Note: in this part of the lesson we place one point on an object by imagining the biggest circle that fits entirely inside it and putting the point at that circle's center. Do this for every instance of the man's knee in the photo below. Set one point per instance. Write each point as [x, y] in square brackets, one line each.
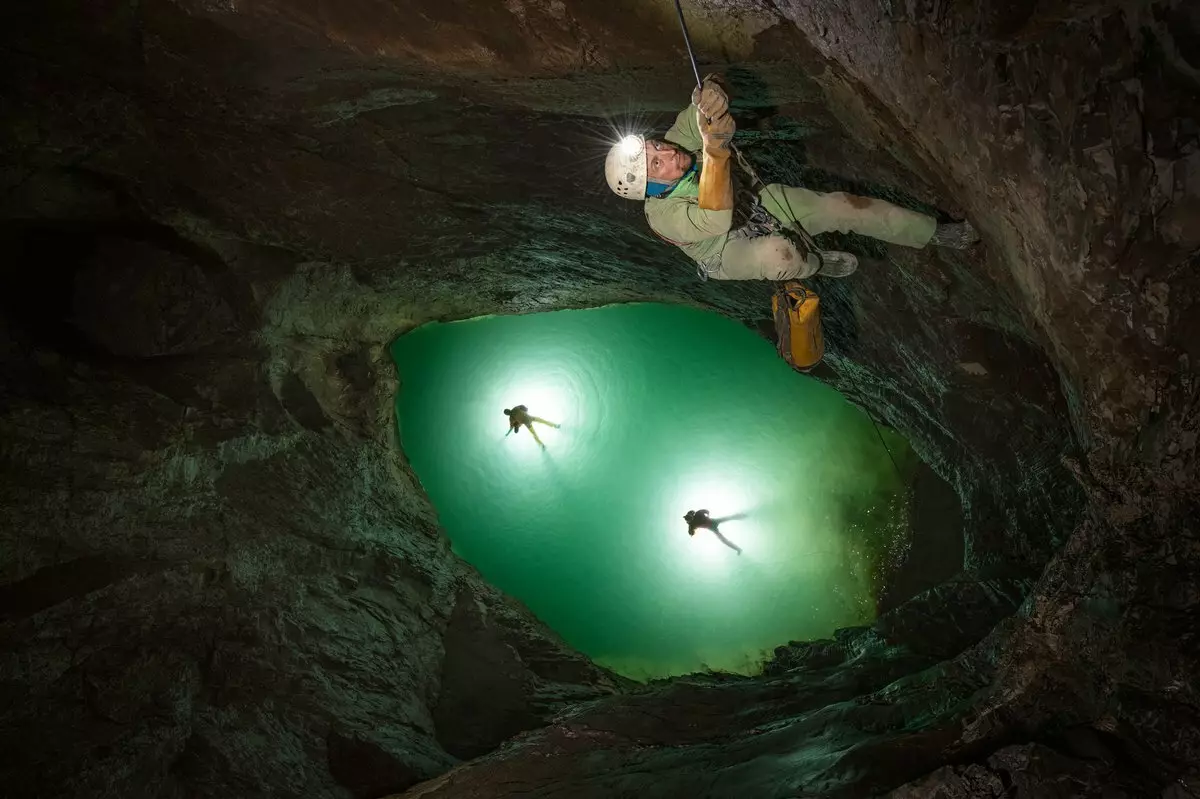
[769, 258]
[781, 260]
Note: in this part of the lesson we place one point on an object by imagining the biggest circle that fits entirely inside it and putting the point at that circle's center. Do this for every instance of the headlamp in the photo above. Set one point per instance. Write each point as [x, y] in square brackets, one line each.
[630, 145]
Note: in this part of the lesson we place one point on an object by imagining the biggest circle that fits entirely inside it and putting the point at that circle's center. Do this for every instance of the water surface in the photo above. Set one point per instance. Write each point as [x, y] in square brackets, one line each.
[663, 409]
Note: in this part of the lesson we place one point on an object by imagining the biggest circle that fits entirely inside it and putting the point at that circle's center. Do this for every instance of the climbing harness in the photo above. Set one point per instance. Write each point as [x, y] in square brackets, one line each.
[751, 220]
[759, 221]
[795, 307]
[762, 218]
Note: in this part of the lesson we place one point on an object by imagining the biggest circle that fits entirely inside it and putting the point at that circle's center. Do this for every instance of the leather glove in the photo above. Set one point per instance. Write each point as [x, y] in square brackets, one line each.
[717, 135]
[710, 99]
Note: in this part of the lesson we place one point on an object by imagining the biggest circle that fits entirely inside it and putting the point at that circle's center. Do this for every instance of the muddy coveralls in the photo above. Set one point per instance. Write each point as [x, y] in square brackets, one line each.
[742, 253]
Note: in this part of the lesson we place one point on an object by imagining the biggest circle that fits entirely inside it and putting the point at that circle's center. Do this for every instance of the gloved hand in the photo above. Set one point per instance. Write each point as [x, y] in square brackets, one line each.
[710, 99]
[717, 135]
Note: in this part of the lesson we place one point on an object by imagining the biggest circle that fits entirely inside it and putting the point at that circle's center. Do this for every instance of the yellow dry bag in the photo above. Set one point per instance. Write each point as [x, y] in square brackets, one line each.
[797, 311]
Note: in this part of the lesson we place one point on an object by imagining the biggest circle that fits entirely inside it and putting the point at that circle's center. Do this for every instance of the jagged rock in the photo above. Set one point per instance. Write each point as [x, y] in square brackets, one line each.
[503, 674]
[1028, 770]
[952, 616]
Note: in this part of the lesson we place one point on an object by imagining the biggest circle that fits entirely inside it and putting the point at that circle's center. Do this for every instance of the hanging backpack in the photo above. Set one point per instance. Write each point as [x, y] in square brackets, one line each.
[797, 312]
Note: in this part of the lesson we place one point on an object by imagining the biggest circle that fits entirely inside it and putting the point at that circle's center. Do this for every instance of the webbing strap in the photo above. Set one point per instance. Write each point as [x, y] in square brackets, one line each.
[798, 235]
[783, 310]
[756, 219]
[664, 238]
[784, 332]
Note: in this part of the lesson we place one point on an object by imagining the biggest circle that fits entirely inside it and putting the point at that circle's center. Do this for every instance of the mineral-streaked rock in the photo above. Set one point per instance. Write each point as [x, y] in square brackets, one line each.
[219, 576]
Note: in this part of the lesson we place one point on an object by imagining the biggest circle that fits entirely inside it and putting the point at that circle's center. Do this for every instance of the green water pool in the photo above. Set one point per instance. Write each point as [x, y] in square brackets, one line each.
[662, 409]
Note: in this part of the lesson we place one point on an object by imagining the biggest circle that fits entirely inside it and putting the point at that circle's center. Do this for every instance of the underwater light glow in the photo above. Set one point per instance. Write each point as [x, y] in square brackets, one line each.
[705, 486]
[664, 409]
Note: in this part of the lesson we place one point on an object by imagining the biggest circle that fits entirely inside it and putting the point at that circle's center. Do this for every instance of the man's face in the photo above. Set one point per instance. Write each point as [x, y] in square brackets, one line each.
[666, 163]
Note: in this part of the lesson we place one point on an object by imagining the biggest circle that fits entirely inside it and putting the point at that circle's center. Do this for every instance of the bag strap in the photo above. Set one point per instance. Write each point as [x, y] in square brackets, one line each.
[783, 327]
[790, 296]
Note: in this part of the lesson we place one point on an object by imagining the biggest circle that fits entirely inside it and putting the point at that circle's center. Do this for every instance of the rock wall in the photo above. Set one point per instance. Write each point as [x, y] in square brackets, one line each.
[220, 577]
[1069, 133]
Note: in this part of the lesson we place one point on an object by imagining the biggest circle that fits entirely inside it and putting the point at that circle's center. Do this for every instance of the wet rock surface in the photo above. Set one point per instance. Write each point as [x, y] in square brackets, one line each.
[220, 577]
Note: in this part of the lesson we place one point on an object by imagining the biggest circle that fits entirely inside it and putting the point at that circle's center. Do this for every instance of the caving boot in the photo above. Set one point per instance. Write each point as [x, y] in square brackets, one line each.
[957, 235]
[835, 263]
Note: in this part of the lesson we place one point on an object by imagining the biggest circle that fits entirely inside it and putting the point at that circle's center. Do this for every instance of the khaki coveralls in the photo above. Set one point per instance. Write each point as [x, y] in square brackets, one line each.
[723, 254]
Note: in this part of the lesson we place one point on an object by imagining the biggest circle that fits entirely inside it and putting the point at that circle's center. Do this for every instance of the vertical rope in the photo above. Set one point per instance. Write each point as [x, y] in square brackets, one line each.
[886, 448]
[688, 43]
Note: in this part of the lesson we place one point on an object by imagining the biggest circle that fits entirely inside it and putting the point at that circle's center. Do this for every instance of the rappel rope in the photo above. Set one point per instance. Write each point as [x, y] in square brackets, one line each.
[759, 215]
[688, 43]
[886, 448]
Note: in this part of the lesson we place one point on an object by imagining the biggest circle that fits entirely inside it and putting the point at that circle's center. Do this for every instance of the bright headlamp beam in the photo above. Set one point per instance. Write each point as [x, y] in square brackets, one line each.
[630, 145]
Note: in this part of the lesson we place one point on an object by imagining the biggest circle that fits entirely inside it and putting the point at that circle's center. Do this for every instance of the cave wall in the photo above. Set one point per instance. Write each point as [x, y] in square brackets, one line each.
[219, 574]
[1067, 134]
[1068, 131]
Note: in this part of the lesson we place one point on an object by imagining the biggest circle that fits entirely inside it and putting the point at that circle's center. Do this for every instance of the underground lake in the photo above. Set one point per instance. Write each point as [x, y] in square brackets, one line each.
[660, 409]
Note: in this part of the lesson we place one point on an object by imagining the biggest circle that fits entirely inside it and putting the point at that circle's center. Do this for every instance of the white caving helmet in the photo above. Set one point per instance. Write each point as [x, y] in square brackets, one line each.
[625, 167]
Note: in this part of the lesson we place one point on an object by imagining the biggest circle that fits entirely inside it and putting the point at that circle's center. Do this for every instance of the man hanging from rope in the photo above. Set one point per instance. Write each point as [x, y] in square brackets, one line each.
[687, 184]
[519, 415]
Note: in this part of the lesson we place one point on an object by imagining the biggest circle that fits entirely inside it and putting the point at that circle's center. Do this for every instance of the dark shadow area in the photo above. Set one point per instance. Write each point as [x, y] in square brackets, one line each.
[751, 101]
[935, 552]
[366, 769]
[114, 288]
[480, 677]
[301, 404]
[51, 585]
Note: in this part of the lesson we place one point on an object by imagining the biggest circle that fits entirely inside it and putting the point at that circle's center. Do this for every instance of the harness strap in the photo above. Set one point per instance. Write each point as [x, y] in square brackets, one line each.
[760, 216]
[783, 344]
[664, 238]
[756, 219]
[789, 298]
